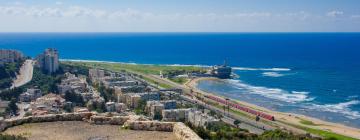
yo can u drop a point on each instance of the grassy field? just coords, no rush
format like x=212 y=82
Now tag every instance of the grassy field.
x=322 y=133
x=140 y=69
x=145 y=69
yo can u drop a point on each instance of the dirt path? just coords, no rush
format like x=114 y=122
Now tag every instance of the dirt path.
x=26 y=74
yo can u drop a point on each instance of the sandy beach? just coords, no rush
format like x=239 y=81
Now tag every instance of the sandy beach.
x=290 y=118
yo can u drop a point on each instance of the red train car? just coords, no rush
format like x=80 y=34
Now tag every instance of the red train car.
x=241 y=108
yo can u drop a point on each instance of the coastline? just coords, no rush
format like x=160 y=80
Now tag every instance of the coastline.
x=317 y=126
x=290 y=118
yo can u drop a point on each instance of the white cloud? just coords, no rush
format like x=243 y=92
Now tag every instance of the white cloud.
x=335 y=13
x=79 y=18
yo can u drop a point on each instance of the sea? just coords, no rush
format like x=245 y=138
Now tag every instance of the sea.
x=314 y=74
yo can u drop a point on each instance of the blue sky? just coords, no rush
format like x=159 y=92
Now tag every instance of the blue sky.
x=180 y=16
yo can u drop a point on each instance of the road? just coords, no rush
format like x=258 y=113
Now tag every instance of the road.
x=25 y=75
x=249 y=122
x=251 y=125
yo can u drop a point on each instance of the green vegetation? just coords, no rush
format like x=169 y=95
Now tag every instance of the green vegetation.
x=107 y=93
x=322 y=133
x=306 y=122
x=8 y=72
x=46 y=83
x=179 y=80
x=278 y=134
x=75 y=98
x=156 y=83
x=141 y=68
x=223 y=131
x=97 y=106
x=325 y=134
x=12 y=107
x=140 y=109
x=11 y=137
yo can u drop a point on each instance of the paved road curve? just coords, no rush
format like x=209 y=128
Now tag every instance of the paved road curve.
x=25 y=75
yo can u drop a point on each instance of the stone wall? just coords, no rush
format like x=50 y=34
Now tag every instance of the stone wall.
x=150 y=125
x=44 y=118
x=182 y=132
x=116 y=120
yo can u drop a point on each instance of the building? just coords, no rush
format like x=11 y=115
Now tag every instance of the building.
x=132 y=100
x=150 y=96
x=30 y=95
x=221 y=71
x=72 y=83
x=110 y=106
x=119 y=83
x=130 y=89
x=169 y=104
x=154 y=108
x=96 y=74
x=10 y=56
x=120 y=107
x=175 y=115
x=49 y=60
x=50 y=103
x=199 y=119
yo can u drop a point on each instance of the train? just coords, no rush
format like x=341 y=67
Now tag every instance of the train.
x=241 y=108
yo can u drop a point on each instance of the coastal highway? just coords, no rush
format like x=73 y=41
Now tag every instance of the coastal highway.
x=251 y=125
x=25 y=75
x=246 y=123
x=270 y=125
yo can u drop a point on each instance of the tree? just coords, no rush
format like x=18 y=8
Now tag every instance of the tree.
x=157 y=116
x=236 y=123
x=12 y=107
x=75 y=98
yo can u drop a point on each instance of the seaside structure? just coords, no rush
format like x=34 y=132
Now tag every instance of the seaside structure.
x=221 y=71
x=49 y=60
x=9 y=56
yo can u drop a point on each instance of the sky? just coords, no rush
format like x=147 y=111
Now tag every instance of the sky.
x=180 y=16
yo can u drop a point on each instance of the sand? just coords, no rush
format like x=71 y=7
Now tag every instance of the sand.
x=84 y=131
x=291 y=118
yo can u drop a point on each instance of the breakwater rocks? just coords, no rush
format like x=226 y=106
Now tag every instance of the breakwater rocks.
x=180 y=130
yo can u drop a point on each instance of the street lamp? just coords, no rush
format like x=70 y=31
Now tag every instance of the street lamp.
x=227 y=103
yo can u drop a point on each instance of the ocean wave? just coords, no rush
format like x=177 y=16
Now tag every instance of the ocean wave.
x=261 y=69
x=273 y=93
x=272 y=74
x=343 y=108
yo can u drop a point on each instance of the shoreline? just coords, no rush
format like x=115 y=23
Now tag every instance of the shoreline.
x=291 y=118
x=281 y=117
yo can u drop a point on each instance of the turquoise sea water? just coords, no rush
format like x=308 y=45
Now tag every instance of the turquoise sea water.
x=315 y=74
